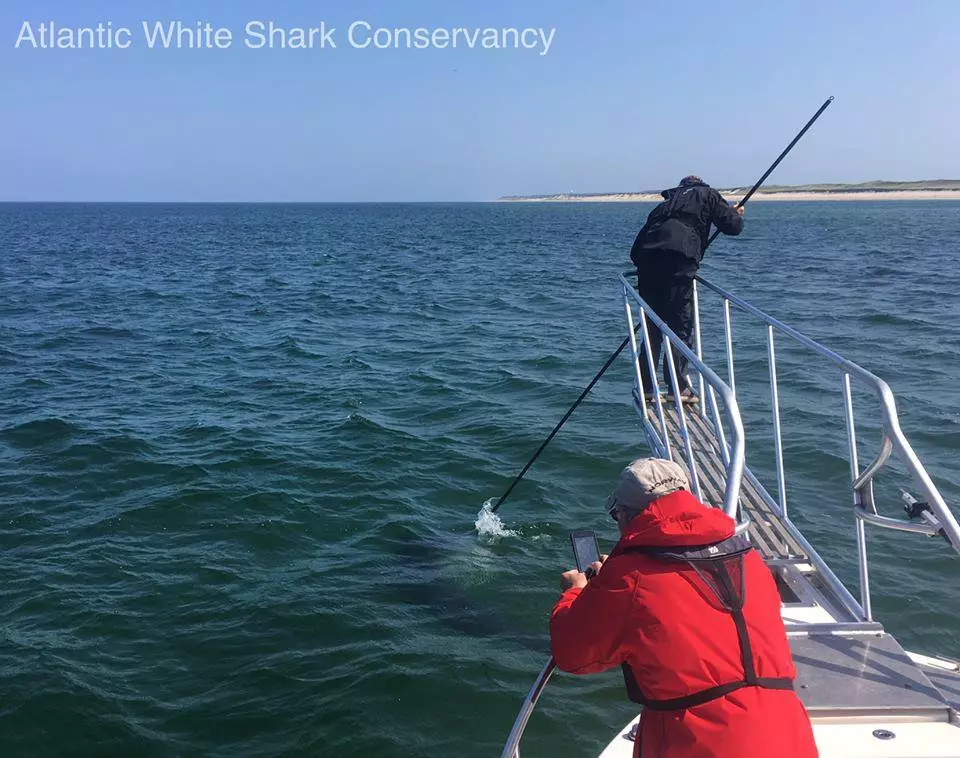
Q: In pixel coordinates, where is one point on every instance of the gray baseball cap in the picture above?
(645, 480)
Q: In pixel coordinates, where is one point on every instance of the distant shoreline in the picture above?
(650, 197)
(929, 189)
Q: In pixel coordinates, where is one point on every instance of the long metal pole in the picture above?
(612, 358)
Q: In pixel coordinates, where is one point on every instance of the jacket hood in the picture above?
(677, 520)
(668, 193)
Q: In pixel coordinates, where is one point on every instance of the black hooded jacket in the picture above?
(681, 223)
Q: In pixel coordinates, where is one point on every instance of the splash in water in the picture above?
(489, 524)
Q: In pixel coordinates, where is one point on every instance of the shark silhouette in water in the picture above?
(422, 582)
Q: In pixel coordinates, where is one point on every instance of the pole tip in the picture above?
(830, 99)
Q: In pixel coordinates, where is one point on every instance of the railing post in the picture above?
(854, 476)
(698, 344)
(718, 425)
(728, 333)
(684, 433)
(638, 374)
(654, 383)
(633, 345)
(777, 440)
(707, 394)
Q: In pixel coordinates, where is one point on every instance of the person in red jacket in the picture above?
(692, 615)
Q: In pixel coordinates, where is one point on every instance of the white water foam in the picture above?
(488, 523)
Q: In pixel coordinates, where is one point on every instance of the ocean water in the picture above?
(244, 449)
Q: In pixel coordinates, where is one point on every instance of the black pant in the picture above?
(667, 287)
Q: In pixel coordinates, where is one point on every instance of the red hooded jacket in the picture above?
(662, 620)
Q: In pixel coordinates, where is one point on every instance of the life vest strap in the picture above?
(698, 698)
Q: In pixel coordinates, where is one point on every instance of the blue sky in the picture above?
(632, 95)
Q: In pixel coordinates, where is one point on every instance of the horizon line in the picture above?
(807, 186)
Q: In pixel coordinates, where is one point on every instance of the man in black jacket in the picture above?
(667, 253)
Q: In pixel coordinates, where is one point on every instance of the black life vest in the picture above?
(720, 566)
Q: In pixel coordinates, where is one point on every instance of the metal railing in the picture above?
(723, 400)
(936, 517)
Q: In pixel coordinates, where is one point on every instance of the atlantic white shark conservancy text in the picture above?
(268, 35)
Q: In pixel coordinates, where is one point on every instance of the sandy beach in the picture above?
(642, 197)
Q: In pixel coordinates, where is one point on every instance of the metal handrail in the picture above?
(941, 519)
(512, 748)
(734, 449)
